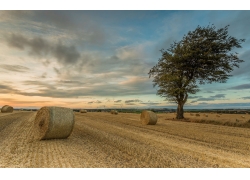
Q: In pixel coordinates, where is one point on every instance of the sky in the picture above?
(101, 58)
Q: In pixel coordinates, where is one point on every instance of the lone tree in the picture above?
(202, 56)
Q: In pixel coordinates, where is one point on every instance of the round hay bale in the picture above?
(112, 111)
(197, 114)
(148, 118)
(115, 112)
(54, 122)
(83, 111)
(7, 109)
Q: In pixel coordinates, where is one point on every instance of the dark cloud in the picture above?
(54, 89)
(218, 96)
(15, 68)
(243, 86)
(5, 87)
(65, 54)
(246, 97)
(132, 101)
(206, 99)
(209, 92)
(40, 47)
(91, 102)
(193, 101)
(211, 98)
(118, 101)
(193, 97)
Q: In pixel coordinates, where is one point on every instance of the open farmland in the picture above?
(107, 140)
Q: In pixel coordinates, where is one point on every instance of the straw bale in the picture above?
(83, 111)
(7, 109)
(197, 114)
(148, 118)
(54, 122)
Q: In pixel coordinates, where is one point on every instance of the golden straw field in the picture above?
(105, 140)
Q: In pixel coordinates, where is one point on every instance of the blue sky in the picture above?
(101, 59)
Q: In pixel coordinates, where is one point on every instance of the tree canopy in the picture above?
(202, 56)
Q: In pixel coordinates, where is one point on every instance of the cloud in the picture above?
(243, 70)
(206, 99)
(203, 103)
(11, 100)
(193, 97)
(118, 101)
(132, 101)
(130, 104)
(40, 47)
(98, 102)
(243, 86)
(218, 96)
(193, 101)
(5, 87)
(69, 82)
(210, 98)
(15, 68)
(246, 97)
(209, 92)
(150, 103)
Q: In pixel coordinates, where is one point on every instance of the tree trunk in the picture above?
(180, 112)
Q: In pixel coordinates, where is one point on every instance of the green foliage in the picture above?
(202, 56)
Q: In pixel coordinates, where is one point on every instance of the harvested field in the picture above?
(104, 140)
(236, 120)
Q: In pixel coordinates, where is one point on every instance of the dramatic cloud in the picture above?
(67, 56)
(40, 47)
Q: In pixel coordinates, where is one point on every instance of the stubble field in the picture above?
(105, 140)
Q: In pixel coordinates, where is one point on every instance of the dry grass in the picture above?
(121, 141)
(235, 120)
